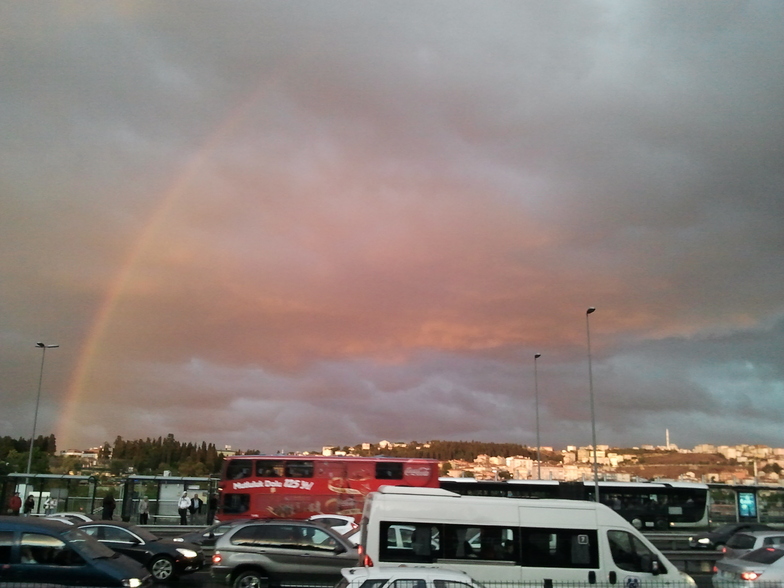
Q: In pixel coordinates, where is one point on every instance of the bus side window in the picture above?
(389, 470)
(238, 469)
(299, 469)
(236, 503)
(267, 468)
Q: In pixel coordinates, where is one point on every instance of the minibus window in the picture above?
(481, 543)
(409, 542)
(559, 548)
(629, 553)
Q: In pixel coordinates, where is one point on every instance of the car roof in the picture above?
(33, 523)
(404, 571)
(762, 533)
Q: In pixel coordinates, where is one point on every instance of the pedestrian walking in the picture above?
(183, 504)
(108, 507)
(144, 511)
(50, 505)
(29, 505)
(14, 504)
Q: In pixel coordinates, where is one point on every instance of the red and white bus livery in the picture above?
(283, 486)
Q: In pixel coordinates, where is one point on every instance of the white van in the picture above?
(524, 541)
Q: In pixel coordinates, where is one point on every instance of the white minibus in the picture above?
(522, 541)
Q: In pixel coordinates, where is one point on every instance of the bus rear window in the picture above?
(389, 470)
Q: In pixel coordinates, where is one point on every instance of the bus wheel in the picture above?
(250, 579)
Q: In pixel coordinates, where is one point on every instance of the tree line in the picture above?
(450, 450)
(155, 456)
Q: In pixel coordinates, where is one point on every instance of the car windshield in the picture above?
(86, 545)
(766, 555)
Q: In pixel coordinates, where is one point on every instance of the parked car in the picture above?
(719, 536)
(744, 541)
(763, 567)
(166, 559)
(281, 553)
(206, 538)
(36, 550)
(403, 576)
(341, 524)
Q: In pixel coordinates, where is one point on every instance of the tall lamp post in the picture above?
(44, 347)
(593, 414)
(538, 445)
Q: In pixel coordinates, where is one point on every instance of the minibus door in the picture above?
(633, 564)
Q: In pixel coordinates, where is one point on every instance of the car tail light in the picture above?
(724, 549)
(216, 558)
(749, 575)
(365, 560)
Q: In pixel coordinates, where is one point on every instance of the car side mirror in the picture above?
(339, 549)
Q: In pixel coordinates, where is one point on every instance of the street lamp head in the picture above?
(590, 310)
(537, 355)
(44, 346)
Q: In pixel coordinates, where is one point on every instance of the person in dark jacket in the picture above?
(108, 507)
(212, 508)
(29, 505)
(195, 508)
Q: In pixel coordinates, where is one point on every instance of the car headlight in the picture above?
(189, 553)
(178, 540)
(132, 582)
(703, 540)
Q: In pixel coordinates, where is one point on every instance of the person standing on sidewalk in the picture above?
(183, 504)
(14, 504)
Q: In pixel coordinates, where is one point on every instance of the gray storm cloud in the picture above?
(282, 226)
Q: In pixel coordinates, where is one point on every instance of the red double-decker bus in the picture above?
(283, 486)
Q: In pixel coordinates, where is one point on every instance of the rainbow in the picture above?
(97, 334)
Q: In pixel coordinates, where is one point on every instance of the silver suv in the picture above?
(281, 553)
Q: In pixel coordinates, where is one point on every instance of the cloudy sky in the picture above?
(282, 225)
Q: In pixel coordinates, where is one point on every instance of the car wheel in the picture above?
(162, 568)
(250, 579)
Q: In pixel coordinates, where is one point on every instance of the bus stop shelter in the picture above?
(71, 493)
(163, 493)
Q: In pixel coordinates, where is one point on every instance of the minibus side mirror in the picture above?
(650, 565)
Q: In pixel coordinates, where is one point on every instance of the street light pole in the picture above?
(44, 347)
(593, 414)
(538, 444)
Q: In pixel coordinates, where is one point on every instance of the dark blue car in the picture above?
(39, 551)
